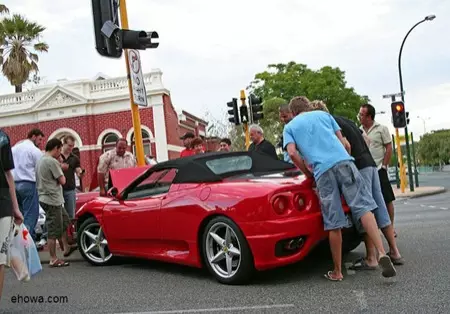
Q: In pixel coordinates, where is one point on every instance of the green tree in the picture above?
(18, 52)
(271, 124)
(328, 84)
(3, 9)
(434, 148)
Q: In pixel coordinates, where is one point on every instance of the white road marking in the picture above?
(361, 298)
(218, 309)
(423, 205)
(349, 271)
(444, 208)
(431, 206)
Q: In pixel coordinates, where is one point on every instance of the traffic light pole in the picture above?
(134, 107)
(245, 124)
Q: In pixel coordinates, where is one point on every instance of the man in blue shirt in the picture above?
(319, 141)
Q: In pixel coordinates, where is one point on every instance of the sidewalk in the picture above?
(418, 191)
(45, 256)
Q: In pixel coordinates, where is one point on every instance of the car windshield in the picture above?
(230, 164)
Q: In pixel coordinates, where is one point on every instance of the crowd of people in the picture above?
(341, 158)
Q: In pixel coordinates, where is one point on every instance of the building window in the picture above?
(145, 141)
(109, 141)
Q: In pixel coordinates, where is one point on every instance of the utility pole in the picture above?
(399, 150)
(245, 119)
(134, 108)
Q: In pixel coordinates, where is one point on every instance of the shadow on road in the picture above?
(317, 261)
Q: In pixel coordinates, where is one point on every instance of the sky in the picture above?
(210, 50)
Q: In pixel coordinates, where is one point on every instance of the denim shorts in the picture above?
(370, 175)
(343, 178)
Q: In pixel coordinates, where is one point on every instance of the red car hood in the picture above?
(121, 178)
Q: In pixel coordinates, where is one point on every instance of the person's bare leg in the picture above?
(371, 252)
(390, 237)
(370, 226)
(52, 249)
(65, 243)
(335, 238)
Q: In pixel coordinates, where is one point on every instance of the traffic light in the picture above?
(233, 112)
(255, 108)
(398, 114)
(244, 114)
(110, 39)
(407, 118)
(106, 27)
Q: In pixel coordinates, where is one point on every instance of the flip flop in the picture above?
(361, 264)
(58, 263)
(329, 276)
(388, 269)
(396, 261)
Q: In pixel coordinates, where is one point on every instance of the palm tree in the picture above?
(3, 9)
(20, 40)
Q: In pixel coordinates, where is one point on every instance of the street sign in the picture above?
(137, 78)
(393, 95)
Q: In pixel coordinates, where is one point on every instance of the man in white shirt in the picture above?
(26, 155)
(380, 145)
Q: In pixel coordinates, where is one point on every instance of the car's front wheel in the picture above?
(226, 252)
(92, 243)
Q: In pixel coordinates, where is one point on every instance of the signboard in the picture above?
(137, 78)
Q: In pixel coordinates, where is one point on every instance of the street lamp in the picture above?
(424, 121)
(408, 157)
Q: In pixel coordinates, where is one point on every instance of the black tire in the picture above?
(89, 223)
(351, 239)
(246, 267)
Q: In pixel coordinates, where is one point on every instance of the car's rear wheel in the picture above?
(226, 252)
(351, 239)
(92, 243)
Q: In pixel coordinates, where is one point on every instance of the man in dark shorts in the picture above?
(319, 141)
(380, 147)
(9, 207)
(50, 179)
(367, 167)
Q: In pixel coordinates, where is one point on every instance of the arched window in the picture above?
(109, 141)
(145, 141)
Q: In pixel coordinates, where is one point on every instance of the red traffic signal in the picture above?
(398, 114)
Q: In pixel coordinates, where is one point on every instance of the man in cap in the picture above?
(187, 140)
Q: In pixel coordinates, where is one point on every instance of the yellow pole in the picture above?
(400, 161)
(245, 125)
(134, 107)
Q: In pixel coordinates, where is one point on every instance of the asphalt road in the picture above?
(421, 286)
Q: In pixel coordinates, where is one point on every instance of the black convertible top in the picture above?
(214, 167)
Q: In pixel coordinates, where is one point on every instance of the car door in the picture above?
(133, 224)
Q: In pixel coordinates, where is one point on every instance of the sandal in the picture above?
(330, 275)
(72, 249)
(388, 269)
(396, 261)
(361, 264)
(59, 263)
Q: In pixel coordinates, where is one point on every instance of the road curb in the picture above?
(422, 194)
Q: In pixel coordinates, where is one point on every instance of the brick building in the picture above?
(97, 112)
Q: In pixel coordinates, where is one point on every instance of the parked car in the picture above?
(232, 213)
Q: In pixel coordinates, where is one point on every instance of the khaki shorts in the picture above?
(6, 235)
(56, 220)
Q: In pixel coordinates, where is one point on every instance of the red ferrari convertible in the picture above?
(232, 213)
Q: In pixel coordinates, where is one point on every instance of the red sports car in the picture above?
(233, 213)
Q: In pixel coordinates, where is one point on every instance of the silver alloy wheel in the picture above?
(223, 250)
(94, 244)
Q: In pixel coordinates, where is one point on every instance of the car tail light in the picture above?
(280, 204)
(299, 202)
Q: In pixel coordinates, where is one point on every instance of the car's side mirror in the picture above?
(113, 192)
